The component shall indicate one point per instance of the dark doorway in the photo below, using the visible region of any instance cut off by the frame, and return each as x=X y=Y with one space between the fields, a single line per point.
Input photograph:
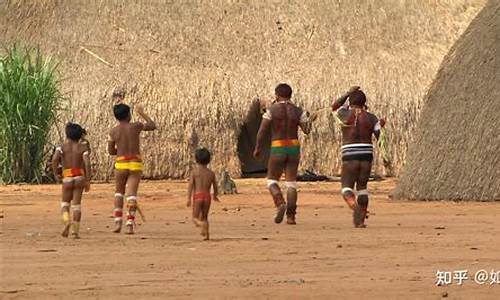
x=250 y=167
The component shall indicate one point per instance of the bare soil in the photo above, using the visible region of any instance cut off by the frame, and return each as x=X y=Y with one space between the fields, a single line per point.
x=323 y=257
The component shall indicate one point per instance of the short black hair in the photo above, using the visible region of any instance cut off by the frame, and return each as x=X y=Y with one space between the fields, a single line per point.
x=74 y=131
x=283 y=90
x=357 y=98
x=121 y=111
x=202 y=156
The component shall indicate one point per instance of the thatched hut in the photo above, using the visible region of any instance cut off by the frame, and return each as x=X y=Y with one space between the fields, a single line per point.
x=198 y=65
x=456 y=154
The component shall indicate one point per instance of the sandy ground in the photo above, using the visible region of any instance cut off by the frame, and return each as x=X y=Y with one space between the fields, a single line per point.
x=323 y=257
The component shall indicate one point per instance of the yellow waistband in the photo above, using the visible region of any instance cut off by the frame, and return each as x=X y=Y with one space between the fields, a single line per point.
x=129 y=165
x=285 y=143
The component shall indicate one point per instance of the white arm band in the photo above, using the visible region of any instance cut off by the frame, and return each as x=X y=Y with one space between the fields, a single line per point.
x=267 y=115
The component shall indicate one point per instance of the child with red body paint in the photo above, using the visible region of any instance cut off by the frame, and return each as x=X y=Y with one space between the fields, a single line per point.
x=201 y=181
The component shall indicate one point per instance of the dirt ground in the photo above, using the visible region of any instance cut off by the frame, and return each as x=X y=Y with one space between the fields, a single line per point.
x=323 y=257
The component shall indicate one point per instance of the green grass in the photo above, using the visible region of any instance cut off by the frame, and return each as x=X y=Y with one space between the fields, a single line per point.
x=29 y=100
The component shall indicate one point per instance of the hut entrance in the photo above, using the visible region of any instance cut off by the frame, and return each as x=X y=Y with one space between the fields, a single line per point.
x=250 y=167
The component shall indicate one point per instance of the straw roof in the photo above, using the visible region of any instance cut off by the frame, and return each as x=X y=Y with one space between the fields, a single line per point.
x=197 y=66
x=456 y=152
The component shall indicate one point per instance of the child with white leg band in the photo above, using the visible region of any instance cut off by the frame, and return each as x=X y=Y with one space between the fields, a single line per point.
x=75 y=176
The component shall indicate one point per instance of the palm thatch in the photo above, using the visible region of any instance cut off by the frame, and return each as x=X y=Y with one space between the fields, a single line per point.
x=456 y=152
x=198 y=65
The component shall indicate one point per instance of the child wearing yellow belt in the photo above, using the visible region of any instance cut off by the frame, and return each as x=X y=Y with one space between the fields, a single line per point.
x=124 y=142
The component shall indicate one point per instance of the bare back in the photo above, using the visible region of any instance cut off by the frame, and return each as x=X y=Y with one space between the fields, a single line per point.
x=126 y=138
x=286 y=119
x=359 y=125
x=73 y=155
x=203 y=179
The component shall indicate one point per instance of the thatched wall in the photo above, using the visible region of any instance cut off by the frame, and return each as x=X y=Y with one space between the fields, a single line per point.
x=197 y=65
x=456 y=154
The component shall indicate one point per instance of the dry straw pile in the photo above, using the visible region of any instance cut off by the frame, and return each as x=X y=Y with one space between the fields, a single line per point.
x=456 y=154
x=197 y=65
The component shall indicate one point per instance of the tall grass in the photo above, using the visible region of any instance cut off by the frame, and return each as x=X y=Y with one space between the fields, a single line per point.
x=29 y=99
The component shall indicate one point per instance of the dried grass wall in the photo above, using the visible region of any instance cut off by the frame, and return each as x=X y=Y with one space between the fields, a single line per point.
x=197 y=65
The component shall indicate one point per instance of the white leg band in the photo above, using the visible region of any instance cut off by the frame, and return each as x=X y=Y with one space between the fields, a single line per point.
x=363 y=192
x=347 y=190
x=271 y=182
x=291 y=184
x=76 y=207
x=131 y=201
x=118 y=195
x=64 y=204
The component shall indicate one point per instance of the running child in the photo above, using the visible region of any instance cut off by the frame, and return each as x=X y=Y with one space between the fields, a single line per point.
x=201 y=181
x=75 y=177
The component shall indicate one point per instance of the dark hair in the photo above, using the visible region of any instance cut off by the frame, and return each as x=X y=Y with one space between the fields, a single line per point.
x=119 y=93
x=74 y=131
x=202 y=156
x=121 y=111
x=357 y=98
x=283 y=90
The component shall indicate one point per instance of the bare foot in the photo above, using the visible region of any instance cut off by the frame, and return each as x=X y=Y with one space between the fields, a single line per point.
x=65 y=232
x=204 y=230
x=197 y=222
x=358 y=217
x=351 y=202
x=118 y=227
x=280 y=213
x=130 y=229
x=290 y=220
x=75 y=235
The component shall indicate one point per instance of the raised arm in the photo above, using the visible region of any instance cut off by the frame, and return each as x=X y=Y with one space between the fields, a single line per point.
x=112 y=147
x=342 y=99
x=150 y=125
x=88 y=169
x=87 y=144
x=379 y=124
x=56 y=160
x=190 y=190
x=306 y=122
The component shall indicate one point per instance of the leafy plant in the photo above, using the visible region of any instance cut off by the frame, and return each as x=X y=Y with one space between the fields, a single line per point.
x=29 y=100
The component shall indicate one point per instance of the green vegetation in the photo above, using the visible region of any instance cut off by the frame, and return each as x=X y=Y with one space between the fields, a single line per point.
x=29 y=99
